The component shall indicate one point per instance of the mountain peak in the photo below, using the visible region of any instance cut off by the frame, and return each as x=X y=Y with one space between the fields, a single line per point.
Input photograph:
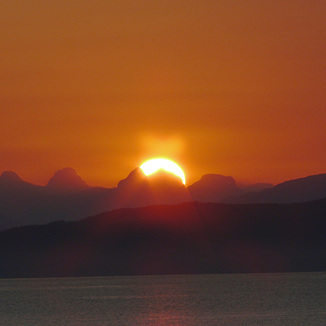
x=217 y=178
x=215 y=182
x=141 y=190
x=135 y=176
x=10 y=177
x=305 y=189
x=67 y=179
x=214 y=188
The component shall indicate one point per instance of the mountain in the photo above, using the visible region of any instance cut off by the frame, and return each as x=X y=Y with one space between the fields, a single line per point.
x=17 y=199
x=65 y=197
x=9 y=178
x=139 y=190
x=10 y=181
x=68 y=197
x=293 y=191
x=214 y=188
x=67 y=179
x=172 y=239
x=256 y=187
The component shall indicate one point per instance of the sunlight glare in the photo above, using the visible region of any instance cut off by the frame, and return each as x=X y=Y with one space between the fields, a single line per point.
x=153 y=165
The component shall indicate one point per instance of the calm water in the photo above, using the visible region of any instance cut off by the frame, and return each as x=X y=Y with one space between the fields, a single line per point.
x=238 y=299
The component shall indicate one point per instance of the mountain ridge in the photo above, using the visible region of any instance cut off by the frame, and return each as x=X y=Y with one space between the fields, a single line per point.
x=187 y=238
x=67 y=179
x=68 y=197
x=296 y=190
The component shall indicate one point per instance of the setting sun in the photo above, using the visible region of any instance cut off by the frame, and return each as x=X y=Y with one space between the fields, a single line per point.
x=153 y=165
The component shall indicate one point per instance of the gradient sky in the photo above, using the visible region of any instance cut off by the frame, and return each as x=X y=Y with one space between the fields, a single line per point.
x=230 y=87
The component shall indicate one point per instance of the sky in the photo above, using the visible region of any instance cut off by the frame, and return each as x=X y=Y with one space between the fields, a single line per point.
x=229 y=87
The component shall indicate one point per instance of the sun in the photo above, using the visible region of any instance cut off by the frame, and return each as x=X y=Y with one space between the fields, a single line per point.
x=153 y=165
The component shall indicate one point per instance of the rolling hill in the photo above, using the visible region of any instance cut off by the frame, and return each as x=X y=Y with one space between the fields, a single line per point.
x=172 y=239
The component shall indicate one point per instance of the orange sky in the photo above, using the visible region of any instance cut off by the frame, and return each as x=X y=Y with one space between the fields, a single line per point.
x=230 y=87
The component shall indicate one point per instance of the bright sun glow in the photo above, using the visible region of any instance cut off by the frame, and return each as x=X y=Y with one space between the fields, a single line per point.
x=155 y=164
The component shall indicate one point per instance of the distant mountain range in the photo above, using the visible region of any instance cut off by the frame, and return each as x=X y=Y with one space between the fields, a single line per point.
x=65 y=197
x=172 y=239
x=68 y=197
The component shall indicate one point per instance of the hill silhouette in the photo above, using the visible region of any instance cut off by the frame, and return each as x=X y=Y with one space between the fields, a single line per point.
x=65 y=197
x=68 y=197
x=256 y=187
x=214 y=188
x=172 y=239
x=67 y=179
x=292 y=191
x=138 y=190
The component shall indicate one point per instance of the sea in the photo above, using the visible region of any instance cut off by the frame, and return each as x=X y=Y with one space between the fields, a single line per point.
x=221 y=299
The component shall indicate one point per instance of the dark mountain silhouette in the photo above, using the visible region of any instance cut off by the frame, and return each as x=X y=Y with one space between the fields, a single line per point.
x=67 y=180
x=68 y=197
x=9 y=178
x=293 y=191
x=17 y=199
x=214 y=188
x=256 y=187
x=11 y=181
x=184 y=238
x=139 y=190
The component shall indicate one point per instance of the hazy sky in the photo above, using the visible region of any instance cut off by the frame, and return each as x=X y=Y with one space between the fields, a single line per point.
x=230 y=87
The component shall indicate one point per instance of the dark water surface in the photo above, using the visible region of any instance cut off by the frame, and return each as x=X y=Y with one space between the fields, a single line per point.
x=236 y=299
